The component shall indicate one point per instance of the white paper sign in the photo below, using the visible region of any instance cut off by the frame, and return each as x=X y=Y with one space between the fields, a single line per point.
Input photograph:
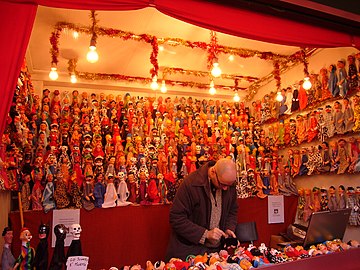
x=276 y=209
x=77 y=263
x=66 y=217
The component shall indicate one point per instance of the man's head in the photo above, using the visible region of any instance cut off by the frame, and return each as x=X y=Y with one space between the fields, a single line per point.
x=223 y=173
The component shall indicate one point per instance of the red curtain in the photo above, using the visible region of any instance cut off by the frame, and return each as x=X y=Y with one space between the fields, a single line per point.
x=17 y=17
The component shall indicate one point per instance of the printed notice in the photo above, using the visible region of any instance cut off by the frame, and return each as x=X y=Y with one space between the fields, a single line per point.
x=66 y=217
x=77 y=263
x=276 y=209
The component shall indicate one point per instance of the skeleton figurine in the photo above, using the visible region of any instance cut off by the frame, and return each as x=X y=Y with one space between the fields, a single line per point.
x=75 y=246
x=122 y=191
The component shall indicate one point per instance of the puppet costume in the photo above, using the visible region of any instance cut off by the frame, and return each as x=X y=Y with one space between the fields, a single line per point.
x=42 y=254
x=348 y=118
x=75 y=195
x=99 y=193
x=308 y=205
x=48 y=197
x=7 y=258
x=26 y=257
x=123 y=194
x=342 y=78
x=338 y=119
x=333 y=81
x=25 y=196
x=313 y=127
x=58 y=259
x=324 y=201
x=343 y=158
x=352 y=73
x=36 y=196
x=110 y=196
x=88 y=195
x=301 y=204
x=353 y=204
x=60 y=195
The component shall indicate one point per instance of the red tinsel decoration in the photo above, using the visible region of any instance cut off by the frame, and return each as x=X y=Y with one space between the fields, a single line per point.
x=276 y=74
x=212 y=49
x=306 y=63
x=153 y=57
x=54 y=50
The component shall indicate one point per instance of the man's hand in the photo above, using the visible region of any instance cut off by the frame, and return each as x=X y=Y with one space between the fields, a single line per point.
x=230 y=233
x=214 y=235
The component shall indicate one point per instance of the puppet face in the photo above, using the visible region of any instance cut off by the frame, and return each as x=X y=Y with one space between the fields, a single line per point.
x=121 y=176
x=25 y=235
x=75 y=230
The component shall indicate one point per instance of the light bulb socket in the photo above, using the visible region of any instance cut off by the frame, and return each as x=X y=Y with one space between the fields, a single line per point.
x=93 y=42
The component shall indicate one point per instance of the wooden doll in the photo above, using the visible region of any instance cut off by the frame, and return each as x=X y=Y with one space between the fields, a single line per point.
x=324 y=200
x=316 y=199
x=274 y=184
x=333 y=81
x=313 y=129
x=99 y=190
x=25 y=260
x=296 y=163
x=333 y=202
x=122 y=191
x=260 y=187
x=308 y=208
x=342 y=78
x=26 y=193
x=356 y=127
x=110 y=195
x=301 y=204
x=48 y=194
x=352 y=73
x=324 y=79
x=314 y=160
x=42 y=252
x=304 y=159
x=353 y=204
x=348 y=116
x=341 y=197
x=342 y=157
x=152 y=191
x=338 y=118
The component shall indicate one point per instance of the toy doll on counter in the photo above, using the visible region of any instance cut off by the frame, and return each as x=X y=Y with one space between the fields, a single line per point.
x=25 y=261
x=99 y=190
x=110 y=196
x=42 y=253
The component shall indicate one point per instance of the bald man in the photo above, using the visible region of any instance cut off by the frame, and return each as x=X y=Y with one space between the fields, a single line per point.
x=204 y=210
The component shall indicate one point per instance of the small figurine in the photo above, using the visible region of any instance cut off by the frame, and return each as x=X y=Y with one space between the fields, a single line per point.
x=75 y=246
x=333 y=81
x=42 y=253
x=333 y=202
x=7 y=258
x=110 y=196
x=343 y=78
x=48 y=195
x=25 y=261
x=88 y=193
x=99 y=191
x=122 y=191
x=58 y=259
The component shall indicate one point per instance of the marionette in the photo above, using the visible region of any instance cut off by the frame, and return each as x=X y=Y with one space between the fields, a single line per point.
x=74 y=192
x=303 y=96
x=301 y=129
x=60 y=194
x=301 y=204
x=316 y=199
x=313 y=129
x=7 y=258
x=143 y=196
x=356 y=100
x=122 y=191
x=333 y=202
x=99 y=190
x=326 y=160
x=353 y=204
x=348 y=116
x=334 y=156
x=75 y=246
x=293 y=133
x=338 y=118
x=26 y=192
x=110 y=195
x=308 y=207
x=152 y=190
x=342 y=78
x=324 y=79
x=288 y=180
x=162 y=188
x=274 y=184
x=132 y=187
x=341 y=197
x=25 y=260
x=48 y=195
x=314 y=160
x=110 y=167
x=88 y=193
x=342 y=158
x=352 y=73
x=333 y=81
x=42 y=252
x=324 y=200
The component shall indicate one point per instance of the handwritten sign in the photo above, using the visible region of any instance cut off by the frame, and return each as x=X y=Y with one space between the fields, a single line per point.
x=66 y=217
x=77 y=263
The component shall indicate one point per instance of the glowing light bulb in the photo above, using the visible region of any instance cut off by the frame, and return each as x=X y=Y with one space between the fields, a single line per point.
x=236 y=97
x=92 y=56
x=154 y=84
x=216 y=71
x=307 y=84
x=212 y=90
x=231 y=58
x=75 y=35
x=279 y=97
x=53 y=75
x=163 y=88
x=73 y=78
x=161 y=48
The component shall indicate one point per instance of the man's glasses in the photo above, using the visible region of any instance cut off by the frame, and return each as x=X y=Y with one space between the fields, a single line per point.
x=221 y=185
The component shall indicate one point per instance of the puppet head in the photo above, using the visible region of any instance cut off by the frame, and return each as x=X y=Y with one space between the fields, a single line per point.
x=75 y=230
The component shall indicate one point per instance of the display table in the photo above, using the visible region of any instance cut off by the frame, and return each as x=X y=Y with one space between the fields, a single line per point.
x=134 y=234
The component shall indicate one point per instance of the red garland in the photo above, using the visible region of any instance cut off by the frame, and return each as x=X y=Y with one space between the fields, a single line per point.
x=54 y=50
x=306 y=63
x=276 y=74
x=153 y=57
x=213 y=49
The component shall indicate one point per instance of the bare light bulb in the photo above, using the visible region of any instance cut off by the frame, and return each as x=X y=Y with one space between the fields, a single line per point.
x=231 y=58
x=53 y=75
x=212 y=90
x=307 y=84
x=73 y=78
x=216 y=71
x=92 y=56
x=154 y=84
x=163 y=88
x=279 y=97
x=236 y=97
x=75 y=35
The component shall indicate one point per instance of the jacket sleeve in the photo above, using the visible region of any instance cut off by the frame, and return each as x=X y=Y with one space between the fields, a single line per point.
x=233 y=211
x=180 y=213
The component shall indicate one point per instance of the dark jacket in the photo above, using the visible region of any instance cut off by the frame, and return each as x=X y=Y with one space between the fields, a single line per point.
x=191 y=211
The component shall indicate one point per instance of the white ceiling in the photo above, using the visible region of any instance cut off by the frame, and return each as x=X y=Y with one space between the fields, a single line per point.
x=131 y=58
